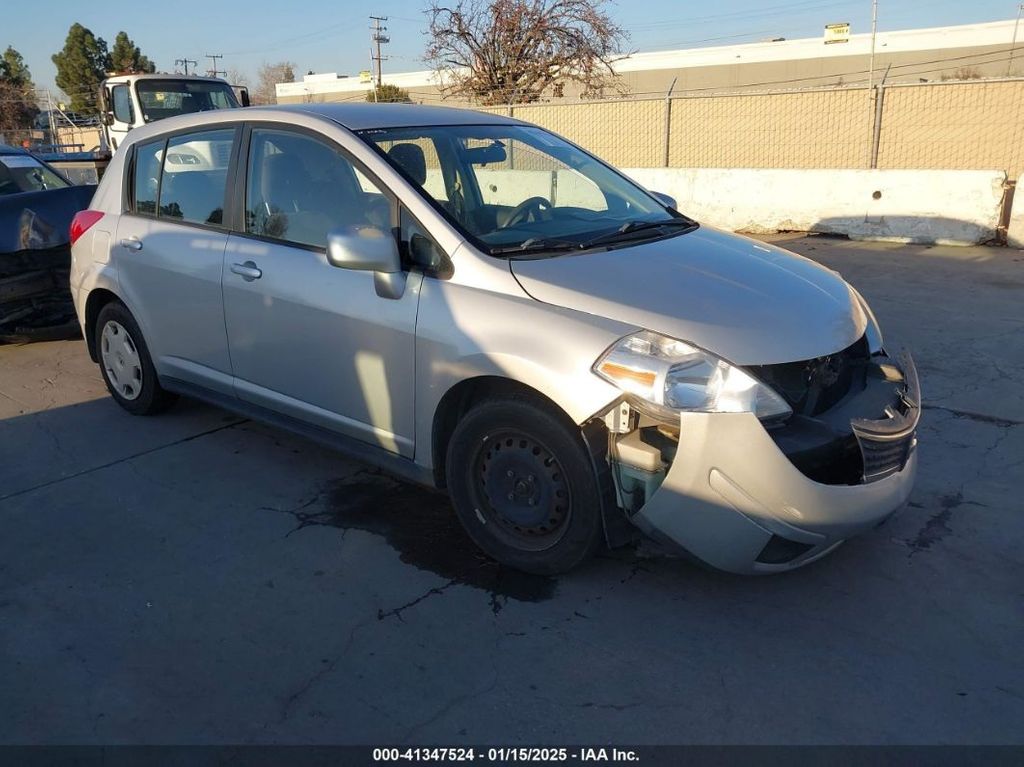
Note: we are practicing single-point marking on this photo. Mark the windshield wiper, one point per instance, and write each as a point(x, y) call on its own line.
point(638, 226)
point(537, 244)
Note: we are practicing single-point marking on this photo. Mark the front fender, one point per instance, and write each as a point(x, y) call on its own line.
point(466, 332)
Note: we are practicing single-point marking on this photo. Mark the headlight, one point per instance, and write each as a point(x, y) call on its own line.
point(670, 376)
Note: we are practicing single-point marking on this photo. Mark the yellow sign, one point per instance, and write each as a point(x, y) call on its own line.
point(837, 33)
point(365, 76)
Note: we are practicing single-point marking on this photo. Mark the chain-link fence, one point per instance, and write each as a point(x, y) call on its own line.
point(948, 125)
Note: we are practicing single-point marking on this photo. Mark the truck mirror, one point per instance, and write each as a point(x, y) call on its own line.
point(243, 96)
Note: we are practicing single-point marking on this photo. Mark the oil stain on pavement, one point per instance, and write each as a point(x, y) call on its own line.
point(421, 526)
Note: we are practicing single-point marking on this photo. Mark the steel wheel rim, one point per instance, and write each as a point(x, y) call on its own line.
point(521, 487)
point(121, 361)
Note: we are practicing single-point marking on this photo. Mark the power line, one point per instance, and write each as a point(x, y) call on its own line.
point(185, 63)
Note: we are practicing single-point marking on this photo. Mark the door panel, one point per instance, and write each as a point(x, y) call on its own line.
point(173, 285)
point(316, 342)
point(170, 256)
point(309, 339)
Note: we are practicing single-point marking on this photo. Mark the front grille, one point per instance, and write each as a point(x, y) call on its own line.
point(811, 387)
point(884, 457)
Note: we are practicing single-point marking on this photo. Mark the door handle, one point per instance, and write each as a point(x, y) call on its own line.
point(248, 271)
point(131, 243)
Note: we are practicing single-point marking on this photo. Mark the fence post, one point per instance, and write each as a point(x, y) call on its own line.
point(876, 133)
point(668, 121)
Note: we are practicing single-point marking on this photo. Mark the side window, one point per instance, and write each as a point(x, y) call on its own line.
point(123, 111)
point(147, 176)
point(195, 176)
point(299, 188)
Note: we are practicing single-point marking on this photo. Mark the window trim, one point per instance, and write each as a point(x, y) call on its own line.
point(241, 183)
point(128, 204)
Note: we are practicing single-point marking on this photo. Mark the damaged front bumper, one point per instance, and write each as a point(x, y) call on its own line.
point(733, 498)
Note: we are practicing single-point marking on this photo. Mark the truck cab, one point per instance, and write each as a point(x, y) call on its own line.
point(129, 101)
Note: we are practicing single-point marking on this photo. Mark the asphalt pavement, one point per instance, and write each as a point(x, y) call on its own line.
point(200, 578)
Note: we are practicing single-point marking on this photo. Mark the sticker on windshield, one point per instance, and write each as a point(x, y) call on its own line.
point(19, 161)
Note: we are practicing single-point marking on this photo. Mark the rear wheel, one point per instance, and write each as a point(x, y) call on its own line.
point(125, 363)
point(523, 487)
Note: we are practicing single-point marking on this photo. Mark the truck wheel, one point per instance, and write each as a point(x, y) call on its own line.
point(125, 363)
point(523, 486)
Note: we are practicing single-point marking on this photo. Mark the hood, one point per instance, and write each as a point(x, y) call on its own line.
point(746, 301)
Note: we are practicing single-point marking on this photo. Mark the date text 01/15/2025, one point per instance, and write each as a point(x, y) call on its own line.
point(504, 754)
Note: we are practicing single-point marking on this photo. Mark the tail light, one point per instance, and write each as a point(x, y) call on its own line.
point(81, 223)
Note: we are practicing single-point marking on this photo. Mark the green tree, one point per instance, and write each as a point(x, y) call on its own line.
point(14, 70)
point(127, 59)
point(81, 66)
point(385, 92)
point(17, 94)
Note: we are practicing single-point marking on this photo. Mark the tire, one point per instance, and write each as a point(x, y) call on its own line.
point(523, 486)
point(125, 363)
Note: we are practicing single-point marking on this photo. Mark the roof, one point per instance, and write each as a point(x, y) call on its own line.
point(364, 116)
point(163, 76)
point(8, 149)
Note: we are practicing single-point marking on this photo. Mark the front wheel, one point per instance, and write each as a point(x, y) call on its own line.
point(125, 363)
point(522, 484)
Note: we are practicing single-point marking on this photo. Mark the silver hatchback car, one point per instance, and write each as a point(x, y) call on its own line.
point(479, 305)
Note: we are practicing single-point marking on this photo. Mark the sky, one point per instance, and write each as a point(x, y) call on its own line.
point(334, 36)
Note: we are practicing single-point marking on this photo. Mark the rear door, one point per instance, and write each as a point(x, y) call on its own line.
point(170, 251)
point(308, 339)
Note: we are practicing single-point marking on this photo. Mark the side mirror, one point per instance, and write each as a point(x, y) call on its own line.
point(666, 200)
point(367, 250)
point(243, 96)
point(108, 118)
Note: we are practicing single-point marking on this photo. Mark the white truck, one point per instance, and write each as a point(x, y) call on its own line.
point(128, 101)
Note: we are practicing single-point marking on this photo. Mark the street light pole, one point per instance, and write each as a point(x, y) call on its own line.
point(1013, 45)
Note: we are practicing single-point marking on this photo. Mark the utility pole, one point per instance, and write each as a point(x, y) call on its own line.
point(871, 59)
point(871, 76)
point(213, 71)
point(379, 38)
point(185, 63)
point(1013, 45)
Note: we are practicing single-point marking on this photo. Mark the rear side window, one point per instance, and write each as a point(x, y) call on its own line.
point(184, 177)
point(195, 172)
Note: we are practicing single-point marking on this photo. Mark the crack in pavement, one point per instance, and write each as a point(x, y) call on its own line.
point(117, 461)
point(397, 611)
point(328, 668)
point(1003, 423)
point(937, 527)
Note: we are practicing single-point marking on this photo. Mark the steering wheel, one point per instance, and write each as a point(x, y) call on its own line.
point(529, 209)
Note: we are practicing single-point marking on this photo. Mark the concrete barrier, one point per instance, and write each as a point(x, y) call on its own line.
point(955, 207)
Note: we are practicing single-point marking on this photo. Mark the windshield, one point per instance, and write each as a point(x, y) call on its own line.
point(513, 187)
point(22, 173)
point(169, 98)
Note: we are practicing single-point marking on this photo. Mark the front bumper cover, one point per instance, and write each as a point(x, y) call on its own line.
point(730, 490)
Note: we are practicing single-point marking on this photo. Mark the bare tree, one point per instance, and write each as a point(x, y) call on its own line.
point(510, 51)
point(267, 77)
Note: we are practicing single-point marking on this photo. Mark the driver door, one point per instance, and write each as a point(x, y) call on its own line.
point(308, 339)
